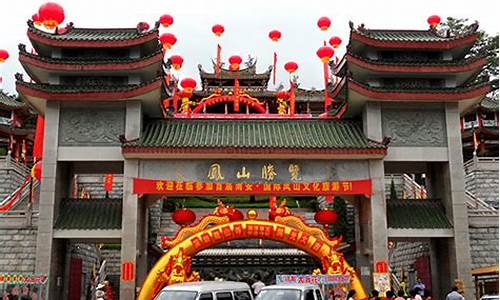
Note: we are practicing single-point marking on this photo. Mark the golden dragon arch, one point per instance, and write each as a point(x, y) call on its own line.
point(174, 266)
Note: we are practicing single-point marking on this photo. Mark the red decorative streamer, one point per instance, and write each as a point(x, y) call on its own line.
point(38, 144)
point(217, 67)
point(275, 61)
point(292, 98)
point(328, 100)
point(175, 98)
point(236, 104)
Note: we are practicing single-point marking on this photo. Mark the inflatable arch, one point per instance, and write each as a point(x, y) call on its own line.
point(174, 265)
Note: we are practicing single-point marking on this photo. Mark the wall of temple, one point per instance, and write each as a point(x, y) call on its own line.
point(481, 179)
point(484, 245)
point(17, 250)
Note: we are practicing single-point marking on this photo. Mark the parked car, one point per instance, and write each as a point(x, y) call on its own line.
point(206, 290)
point(489, 297)
point(290, 292)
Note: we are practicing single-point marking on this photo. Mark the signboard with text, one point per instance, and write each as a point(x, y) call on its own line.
point(169, 187)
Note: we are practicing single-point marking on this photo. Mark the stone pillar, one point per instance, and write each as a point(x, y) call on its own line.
point(50, 252)
point(360, 237)
point(131, 207)
point(435, 274)
point(454, 200)
point(377, 219)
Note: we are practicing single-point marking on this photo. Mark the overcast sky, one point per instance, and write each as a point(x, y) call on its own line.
point(247, 25)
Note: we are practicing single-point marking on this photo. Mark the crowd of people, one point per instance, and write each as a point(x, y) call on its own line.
point(15, 292)
point(418, 292)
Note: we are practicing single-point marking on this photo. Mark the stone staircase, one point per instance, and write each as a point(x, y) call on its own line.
point(406, 187)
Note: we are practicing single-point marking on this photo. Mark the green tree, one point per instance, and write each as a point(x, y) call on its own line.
point(487, 45)
point(340, 228)
point(394, 193)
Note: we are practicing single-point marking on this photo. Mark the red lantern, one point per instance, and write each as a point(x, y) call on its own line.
point(36, 20)
point(166, 20)
point(188, 84)
point(235, 215)
point(36, 171)
point(51, 15)
point(282, 95)
point(176, 61)
point(108, 182)
point(324, 23)
point(325, 217)
point(291, 67)
point(168, 40)
point(183, 217)
point(218, 29)
point(335, 42)
point(325, 53)
point(235, 62)
point(275, 35)
point(434, 20)
point(3, 55)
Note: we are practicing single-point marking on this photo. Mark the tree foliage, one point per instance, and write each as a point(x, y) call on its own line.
point(487, 45)
point(340, 228)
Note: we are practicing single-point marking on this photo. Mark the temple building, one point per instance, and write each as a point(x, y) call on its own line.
point(133, 156)
point(16, 129)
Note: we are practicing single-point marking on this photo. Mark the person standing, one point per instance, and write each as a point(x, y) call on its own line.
point(419, 286)
point(454, 294)
point(401, 295)
point(257, 286)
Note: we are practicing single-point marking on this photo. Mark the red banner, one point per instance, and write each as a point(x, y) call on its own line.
point(172, 187)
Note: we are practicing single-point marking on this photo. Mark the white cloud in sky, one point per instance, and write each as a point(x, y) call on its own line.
point(247, 25)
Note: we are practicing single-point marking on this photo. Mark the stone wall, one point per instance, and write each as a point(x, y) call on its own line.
point(17, 250)
point(10, 180)
point(484, 245)
point(404, 254)
point(483, 184)
point(94, 185)
point(112, 257)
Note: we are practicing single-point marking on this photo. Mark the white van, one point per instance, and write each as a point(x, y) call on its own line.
point(206, 290)
point(290, 292)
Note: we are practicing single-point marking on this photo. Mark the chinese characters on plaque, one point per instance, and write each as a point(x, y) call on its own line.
point(268, 172)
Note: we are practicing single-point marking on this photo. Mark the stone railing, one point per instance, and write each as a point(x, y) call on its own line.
point(477, 206)
point(481, 163)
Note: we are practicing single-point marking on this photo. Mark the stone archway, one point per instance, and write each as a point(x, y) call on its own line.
point(174, 265)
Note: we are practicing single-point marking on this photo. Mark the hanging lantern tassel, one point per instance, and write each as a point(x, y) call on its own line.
point(236, 103)
point(217, 67)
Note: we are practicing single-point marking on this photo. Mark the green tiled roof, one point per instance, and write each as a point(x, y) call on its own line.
point(94, 34)
point(63, 89)
point(90, 214)
point(426, 62)
point(290, 134)
point(416, 214)
point(9, 101)
point(89, 61)
point(404, 35)
point(437, 90)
